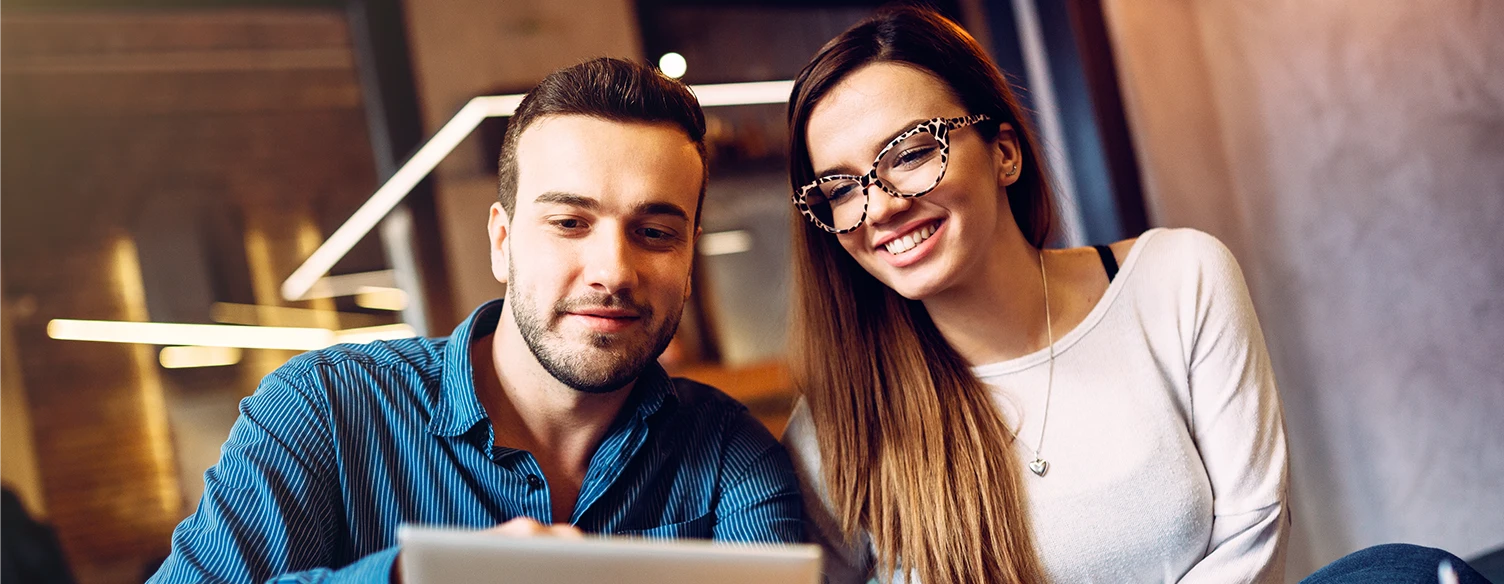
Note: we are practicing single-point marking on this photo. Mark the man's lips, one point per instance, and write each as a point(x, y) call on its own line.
point(605, 320)
point(604, 312)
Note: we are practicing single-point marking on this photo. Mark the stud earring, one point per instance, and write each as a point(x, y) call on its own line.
point(1012, 170)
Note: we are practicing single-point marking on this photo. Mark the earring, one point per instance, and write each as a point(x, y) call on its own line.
point(1012, 170)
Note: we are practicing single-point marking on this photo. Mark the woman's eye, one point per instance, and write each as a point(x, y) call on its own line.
point(913, 157)
point(841, 192)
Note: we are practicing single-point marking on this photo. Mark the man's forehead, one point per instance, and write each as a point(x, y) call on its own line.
point(620, 165)
point(554, 129)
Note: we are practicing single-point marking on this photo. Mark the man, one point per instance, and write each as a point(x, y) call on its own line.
point(548, 409)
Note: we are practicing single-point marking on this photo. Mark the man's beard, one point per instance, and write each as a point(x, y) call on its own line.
point(616, 361)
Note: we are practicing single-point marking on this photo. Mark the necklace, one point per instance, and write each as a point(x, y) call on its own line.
point(1040, 465)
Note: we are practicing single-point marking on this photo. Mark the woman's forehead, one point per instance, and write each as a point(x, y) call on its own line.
point(857, 117)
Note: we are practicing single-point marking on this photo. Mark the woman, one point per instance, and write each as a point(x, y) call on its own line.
point(978, 408)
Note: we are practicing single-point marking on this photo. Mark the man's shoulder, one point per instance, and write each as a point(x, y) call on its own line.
point(365, 370)
point(704, 410)
point(411, 353)
point(693, 395)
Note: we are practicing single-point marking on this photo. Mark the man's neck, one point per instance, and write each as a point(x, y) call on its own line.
point(531, 410)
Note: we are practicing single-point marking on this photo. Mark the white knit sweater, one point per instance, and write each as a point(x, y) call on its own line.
point(1165, 439)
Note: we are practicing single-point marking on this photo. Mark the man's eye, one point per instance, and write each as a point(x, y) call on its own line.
point(657, 235)
point(568, 223)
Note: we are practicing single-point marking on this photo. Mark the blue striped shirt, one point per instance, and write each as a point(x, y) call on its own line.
point(339, 446)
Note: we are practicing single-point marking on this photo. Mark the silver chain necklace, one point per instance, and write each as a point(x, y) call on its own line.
point(1040, 465)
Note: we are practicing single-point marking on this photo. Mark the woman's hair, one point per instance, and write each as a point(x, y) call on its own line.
point(913, 448)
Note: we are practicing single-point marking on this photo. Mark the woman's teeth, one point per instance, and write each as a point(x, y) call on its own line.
point(911, 240)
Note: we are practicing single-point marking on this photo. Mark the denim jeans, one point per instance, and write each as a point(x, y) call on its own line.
point(1394, 563)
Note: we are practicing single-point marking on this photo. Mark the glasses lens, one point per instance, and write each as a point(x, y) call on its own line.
point(837, 203)
point(912, 166)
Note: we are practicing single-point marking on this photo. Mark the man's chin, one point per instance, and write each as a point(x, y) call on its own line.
point(604, 376)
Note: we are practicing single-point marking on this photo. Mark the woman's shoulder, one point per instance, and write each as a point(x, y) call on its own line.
point(1185, 244)
point(1179, 257)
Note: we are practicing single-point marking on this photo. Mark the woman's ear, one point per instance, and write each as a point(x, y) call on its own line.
point(1008, 154)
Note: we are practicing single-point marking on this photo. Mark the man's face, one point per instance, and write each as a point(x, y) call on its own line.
point(597, 253)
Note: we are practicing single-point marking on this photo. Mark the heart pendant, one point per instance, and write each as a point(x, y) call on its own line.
point(1039, 466)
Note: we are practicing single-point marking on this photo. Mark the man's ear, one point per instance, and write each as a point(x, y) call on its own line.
point(694, 253)
point(497, 227)
point(1008, 154)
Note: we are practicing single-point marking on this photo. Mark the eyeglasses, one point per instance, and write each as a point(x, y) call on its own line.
point(910, 166)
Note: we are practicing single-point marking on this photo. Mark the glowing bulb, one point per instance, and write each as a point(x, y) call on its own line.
point(198, 356)
point(672, 65)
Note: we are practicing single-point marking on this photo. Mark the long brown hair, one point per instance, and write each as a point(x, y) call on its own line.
point(913, 448)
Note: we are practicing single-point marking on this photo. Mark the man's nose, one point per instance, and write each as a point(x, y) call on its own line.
point(610, 264)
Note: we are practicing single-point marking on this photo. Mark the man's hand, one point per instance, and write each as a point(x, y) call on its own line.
point(527, 527)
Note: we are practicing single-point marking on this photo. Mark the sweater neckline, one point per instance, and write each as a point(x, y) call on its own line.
point(1098, 312)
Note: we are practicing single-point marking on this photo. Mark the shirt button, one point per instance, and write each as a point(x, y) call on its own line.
point(534, 482)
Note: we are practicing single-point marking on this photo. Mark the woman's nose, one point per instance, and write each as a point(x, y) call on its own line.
point(881, 206)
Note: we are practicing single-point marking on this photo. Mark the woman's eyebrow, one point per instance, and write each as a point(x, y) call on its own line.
point(845, 169)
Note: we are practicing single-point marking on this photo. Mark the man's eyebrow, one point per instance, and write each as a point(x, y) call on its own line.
point(589, 204)
point(569, 199)
point(843, 169)
point(660, 208)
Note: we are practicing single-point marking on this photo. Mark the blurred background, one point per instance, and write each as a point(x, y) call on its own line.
point(173, 161)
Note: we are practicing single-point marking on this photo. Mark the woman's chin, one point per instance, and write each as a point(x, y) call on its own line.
point(915, 286)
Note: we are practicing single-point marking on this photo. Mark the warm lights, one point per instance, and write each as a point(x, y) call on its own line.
point(218, 335)
point(375, 333)
point(673, 65)
point(305, 278)
point(381, 298)
point(209, 335)
point(725, 243)
point(186, 357)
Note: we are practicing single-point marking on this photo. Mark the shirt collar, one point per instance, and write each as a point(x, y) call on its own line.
point(458, 409)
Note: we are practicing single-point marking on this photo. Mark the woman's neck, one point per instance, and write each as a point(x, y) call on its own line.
point(998, 312)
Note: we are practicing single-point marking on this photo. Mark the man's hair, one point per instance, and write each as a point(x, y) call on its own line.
point(609, 89)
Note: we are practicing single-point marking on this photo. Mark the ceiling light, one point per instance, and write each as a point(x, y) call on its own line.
point(672, 65)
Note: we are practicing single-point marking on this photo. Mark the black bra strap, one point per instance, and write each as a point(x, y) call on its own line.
point(1109, 263)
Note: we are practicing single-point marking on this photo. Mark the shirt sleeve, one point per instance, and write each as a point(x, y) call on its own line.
point(760, 502)
point(844, 562)
point(1237, 424)
point(271, 509)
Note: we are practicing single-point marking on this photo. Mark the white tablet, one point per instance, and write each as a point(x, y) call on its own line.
point(450, 556)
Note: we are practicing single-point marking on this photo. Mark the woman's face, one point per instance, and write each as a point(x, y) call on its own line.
point(926, 245)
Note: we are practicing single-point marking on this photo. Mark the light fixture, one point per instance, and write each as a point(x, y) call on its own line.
point(263, 315)
point(381, 298)
point(302, 281)
point(725, 243)
point(218, 335)
point(673, 65)
point(384, 332)
point(197, 356)
point(208, 335)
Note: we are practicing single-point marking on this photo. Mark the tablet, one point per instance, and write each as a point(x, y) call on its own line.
point(451, 556)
